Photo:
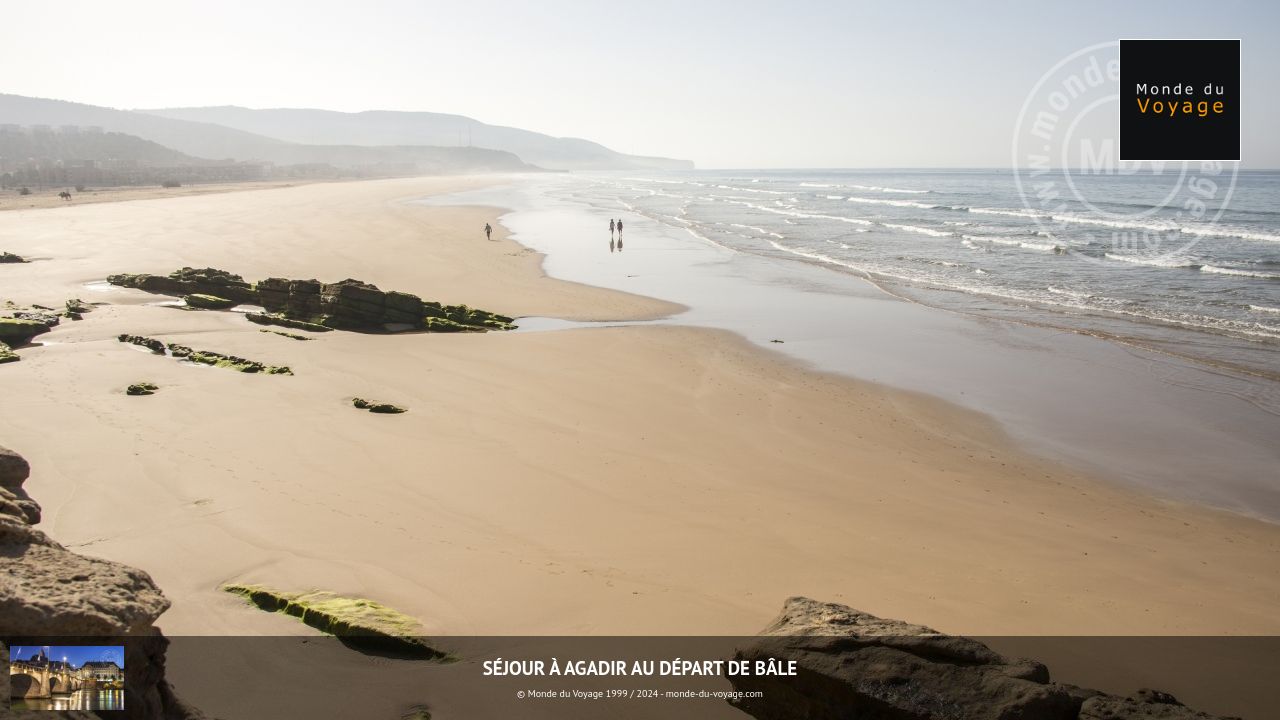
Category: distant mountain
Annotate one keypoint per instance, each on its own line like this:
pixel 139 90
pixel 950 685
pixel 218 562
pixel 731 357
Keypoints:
pixel 382 127
pixel 212 141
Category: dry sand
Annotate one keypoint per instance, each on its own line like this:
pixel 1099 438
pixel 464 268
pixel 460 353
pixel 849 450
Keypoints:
pixel 602 481
pixel 48 197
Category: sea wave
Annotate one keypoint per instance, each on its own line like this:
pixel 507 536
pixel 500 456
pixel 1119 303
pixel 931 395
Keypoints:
pixel 918 229
pixel 889 189
pixel 1014 242
pixel 895 203
pixel 1264 309
pixel 1239 273
pixel 1160 261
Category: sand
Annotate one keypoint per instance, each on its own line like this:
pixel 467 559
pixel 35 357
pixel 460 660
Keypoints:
pixel 631 480
pixel 48 197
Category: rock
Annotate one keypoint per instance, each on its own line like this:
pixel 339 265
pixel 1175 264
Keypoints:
pixel 191 281
pixel 15 503
pixel 360 623
pixel 14 469
pixel 854 665
pixel 56 592
pixel 151 344
pixel 7 355
pixel 52 592
pixel 291 336
pixel 266 319
pixel 208 302
pixel 1142 705
pixel 78 306
pixel 49 319
pixel 142 388
pixel 377 407
pixel 306 304
pixel 206 357
pixel 15 332
pixel 8 257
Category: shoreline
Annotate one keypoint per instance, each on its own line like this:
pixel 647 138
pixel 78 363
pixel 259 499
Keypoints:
pixel 1171 427
pixel 593 474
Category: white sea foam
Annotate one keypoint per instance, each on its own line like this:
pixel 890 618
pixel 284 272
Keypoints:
pixel 895 203
pixel 888 189
pixel 1160 261
pixel 1012 242
pixel 918 229
pixel 1240 273
pixel 1264 309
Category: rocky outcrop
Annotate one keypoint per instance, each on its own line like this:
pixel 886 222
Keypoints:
pixel 19 331
pixel 191 281
pixel 54 595
pixel 8 257
pixel 377 407
pixel 7 355
pixel 854 665
pixel 142 388
pixel 355 305
pixel 312 305
pixel 208 302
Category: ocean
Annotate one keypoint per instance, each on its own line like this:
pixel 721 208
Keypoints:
pixel 1116 257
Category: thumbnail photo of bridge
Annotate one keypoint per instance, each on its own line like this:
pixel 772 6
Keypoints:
pixel 66 677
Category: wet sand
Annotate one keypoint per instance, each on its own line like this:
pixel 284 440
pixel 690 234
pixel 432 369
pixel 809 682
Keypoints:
pixel 632 480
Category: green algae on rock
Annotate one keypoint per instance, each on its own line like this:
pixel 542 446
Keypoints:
pixel 359 623
pixel 7 355
pixel 18 331
pixel 378 407
pixel 8 257
pixel 142 388
pixel 282 321
pixel 208 302
pixel 281 333
pixel 151 344
pixel 232 362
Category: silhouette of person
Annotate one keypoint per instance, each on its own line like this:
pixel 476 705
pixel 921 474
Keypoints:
pixel 488 231
pixel 619 228
pixel 610 228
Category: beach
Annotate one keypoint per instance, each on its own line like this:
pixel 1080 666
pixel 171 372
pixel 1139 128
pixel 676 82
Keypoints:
pixel 647 479
pixel 626 480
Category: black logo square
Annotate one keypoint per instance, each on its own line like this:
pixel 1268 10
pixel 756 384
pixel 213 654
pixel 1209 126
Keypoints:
pixel 1179 99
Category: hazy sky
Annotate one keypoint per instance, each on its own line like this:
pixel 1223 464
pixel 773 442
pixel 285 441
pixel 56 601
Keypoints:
pixel 726 84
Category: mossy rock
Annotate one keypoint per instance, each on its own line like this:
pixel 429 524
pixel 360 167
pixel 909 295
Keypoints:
pixel 359 623
pixel 377 407
pixel 142 388
pixel 151 344
pixel 8 257
pixel 208 302
pixel 281 333
pixel 15 331
pixel 7 355
pixel 231 362
pixel 271 319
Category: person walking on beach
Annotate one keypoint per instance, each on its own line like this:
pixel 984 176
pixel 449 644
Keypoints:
pixel 611 229
pixel 619 228
pixel 488 231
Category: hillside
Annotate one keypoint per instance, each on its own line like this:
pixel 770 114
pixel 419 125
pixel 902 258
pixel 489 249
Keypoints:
pixel 16 146
pixel 212 141
pixel 380 127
